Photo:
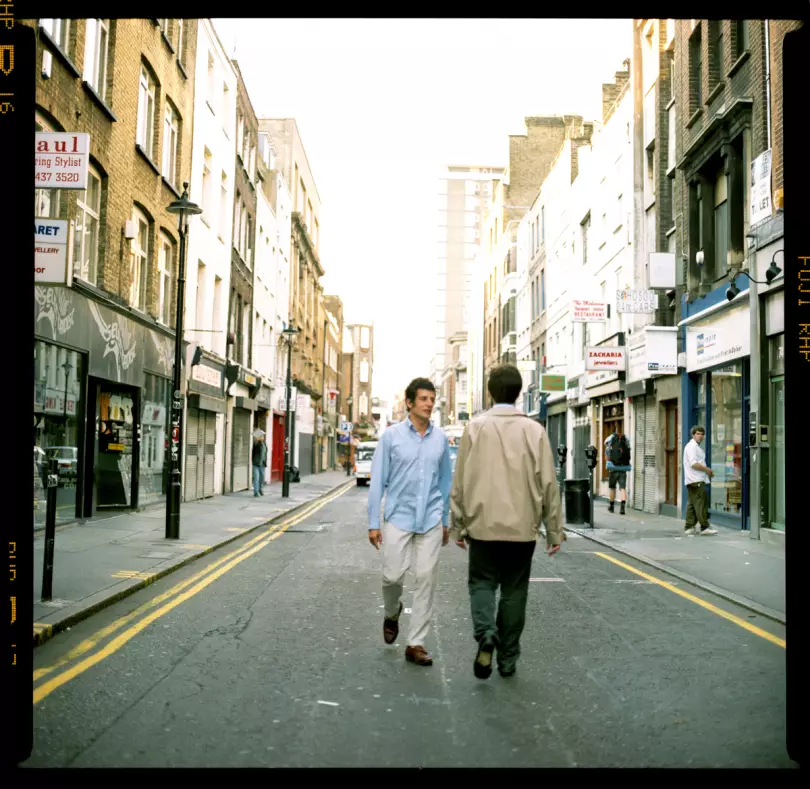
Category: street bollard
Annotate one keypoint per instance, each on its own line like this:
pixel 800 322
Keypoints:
pixel 50 531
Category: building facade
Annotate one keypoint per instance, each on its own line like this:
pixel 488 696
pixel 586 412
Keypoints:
pixel 208 264
pixel 332 382
pixel 104 339
pixel 306 291
pixel 361 377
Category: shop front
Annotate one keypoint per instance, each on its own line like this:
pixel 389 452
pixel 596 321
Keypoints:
pixel 102 381
pixel 205 417
pixel 717 364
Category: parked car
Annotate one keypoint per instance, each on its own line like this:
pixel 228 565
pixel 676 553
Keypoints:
pixel 67 460
pixel 362 461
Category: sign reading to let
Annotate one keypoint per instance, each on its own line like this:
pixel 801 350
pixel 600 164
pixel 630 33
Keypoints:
pixel 760 207
pixel 61 160
pixel 586 311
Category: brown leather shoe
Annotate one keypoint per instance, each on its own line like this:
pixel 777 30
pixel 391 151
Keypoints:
pixel 391 627
pixel 418 655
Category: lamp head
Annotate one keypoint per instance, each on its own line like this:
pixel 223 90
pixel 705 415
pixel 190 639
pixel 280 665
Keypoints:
pixel 773 270
pixel 184 209
pixel 732 291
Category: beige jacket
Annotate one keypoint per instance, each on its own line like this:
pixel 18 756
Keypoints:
pixel 505 481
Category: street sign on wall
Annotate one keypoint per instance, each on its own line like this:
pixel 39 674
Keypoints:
pixel 61 160
pixel 586 311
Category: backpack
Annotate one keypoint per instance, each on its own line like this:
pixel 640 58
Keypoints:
pixel 619 451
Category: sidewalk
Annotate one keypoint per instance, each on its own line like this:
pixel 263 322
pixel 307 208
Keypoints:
pixel 750 573
pixel 100 562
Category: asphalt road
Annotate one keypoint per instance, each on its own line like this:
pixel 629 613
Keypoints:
pixel 279 661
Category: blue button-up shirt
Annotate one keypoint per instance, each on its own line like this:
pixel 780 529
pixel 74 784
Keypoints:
pixel 414 473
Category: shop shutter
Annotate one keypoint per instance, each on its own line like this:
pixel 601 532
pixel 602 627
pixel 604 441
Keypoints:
pixel 582 439
pixel 305 451
pixel 650 469
pixel 240 458
pixel 192 452
pixel 639 451
pixel 210 447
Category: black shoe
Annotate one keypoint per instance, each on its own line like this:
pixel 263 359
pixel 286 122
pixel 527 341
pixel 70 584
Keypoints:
pixel 261 493
pixel 610 507
pixel 506 672
pixel 621 511
pixel 482 665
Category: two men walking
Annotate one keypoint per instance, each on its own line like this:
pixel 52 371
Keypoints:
pixel 504 485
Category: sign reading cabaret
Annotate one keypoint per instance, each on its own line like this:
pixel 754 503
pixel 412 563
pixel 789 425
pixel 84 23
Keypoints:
pixel 586 311
pixel 605 357
pixel 51 252
pixel 718 340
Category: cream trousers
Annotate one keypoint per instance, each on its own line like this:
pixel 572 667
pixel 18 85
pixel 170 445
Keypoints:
pixel 401 551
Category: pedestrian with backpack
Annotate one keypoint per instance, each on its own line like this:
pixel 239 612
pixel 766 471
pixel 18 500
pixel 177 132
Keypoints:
pixel 617 449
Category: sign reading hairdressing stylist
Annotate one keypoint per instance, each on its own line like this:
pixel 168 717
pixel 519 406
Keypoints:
pixel 718 340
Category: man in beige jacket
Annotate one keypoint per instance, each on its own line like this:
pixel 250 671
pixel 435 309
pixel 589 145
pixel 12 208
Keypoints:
pixel 504 485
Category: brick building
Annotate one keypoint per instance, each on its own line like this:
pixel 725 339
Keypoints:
pixel 104 344
pixel 728 135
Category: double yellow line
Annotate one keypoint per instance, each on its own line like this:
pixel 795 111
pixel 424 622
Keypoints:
pixel 178 594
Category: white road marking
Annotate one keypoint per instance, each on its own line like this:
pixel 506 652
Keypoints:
pixel 329 703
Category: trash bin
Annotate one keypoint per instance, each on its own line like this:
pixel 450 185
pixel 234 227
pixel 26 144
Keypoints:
pixel 577 501
pixel 295 475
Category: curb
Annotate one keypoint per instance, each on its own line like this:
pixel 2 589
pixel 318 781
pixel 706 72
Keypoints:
pixel 51 630
pixel 743 602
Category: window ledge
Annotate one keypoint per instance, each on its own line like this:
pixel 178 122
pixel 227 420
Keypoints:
pixel 602 244
pixel 101 103
pixel 716 91
pixel 672 170
pixel 167 42
pixel 739 63
pixel 170 185
pixel 208 104
pixel 670 104
pixel 182 69
pixel 618 228
pixel 145 155
pixel 671 231
pixel 58 51
pixel 648 204
pixel 696 115
pixel 204 221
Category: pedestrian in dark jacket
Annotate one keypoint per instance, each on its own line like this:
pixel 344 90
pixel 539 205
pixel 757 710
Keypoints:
pixel 617 448
pixel 259 461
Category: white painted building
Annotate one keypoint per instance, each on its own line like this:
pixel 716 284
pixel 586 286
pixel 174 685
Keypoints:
pixel 208 262
pixel 475 342
pixel 523 312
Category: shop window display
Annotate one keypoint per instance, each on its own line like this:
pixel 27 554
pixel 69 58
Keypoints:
pixel 58 373
pixel 115 433
pixel 154 440
pixel 726 439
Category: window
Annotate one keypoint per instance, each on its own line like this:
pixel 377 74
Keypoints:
pixel 696 68
pixel 86 234
pixel 364 338
pixel 164 26
pixel 720 225
pixel 586 231
pixel 59 31
pixel 364 372
pixel 47 202
pixel 211 84
pixel 240 136
pixel 672 130
pixel 171 126
pixel 200 301
pixel 139 261
pixel 223 207
pixel 543 290
pixel 741 36
pixel 534 299
pixel 165 272
pixel 96 50
pixel 496 229
pixel 543 224
pixel 181 41
pixel 146 113
pixel 716 51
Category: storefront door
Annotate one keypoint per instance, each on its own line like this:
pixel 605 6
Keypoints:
pixel 671 451
pixel 277 458
pixel 242 445
pixel 778 453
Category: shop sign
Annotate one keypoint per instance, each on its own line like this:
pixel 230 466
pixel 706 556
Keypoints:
pixel 527 365
pixel 642 302
pixel 552 383
pixel 662 270
pixel 204 374
pixel 51 244
pixel 718 340
pixel 637 356
pixel 61 160
pixel 605 357
pixel 760 207
pixel 586 311
pixel 661 351
pixel 305 417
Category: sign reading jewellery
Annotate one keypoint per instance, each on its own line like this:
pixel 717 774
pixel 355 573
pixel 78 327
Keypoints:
pixel 605 357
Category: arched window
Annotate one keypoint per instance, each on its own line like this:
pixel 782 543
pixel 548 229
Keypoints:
pixel 166 259
pixel 86 233
pixel 139 260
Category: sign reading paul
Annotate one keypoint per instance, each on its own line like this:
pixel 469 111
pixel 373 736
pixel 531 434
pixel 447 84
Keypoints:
pixel 61 160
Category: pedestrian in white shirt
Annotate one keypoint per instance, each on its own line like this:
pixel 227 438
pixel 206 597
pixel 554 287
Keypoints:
pixel 696 475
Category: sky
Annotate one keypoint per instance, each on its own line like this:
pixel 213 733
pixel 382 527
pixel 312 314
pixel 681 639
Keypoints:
pixel 382 106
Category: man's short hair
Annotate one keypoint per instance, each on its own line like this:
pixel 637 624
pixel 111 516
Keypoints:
pixel 417 384
pixel 505 383
pixel 698 429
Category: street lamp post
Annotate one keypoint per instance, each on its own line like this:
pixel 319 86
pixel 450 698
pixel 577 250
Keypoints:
pixel 285 482
pixel 184 209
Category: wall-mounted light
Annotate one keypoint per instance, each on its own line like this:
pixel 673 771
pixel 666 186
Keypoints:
pixel 699 257
pixel 770 275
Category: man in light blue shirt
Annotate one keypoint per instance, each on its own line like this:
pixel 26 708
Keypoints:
pixel 411 467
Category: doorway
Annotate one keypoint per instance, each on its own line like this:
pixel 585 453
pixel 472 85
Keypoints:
pixel 671 451
pixel 778 453
pixel 277 456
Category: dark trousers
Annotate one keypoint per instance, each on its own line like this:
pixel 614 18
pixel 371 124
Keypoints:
pixel 697 508
pixel 508 565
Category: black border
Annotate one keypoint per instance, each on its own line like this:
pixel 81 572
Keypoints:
pixel 17 132
pixel 797 368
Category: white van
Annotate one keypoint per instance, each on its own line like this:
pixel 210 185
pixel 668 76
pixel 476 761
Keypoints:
pixel 364 454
